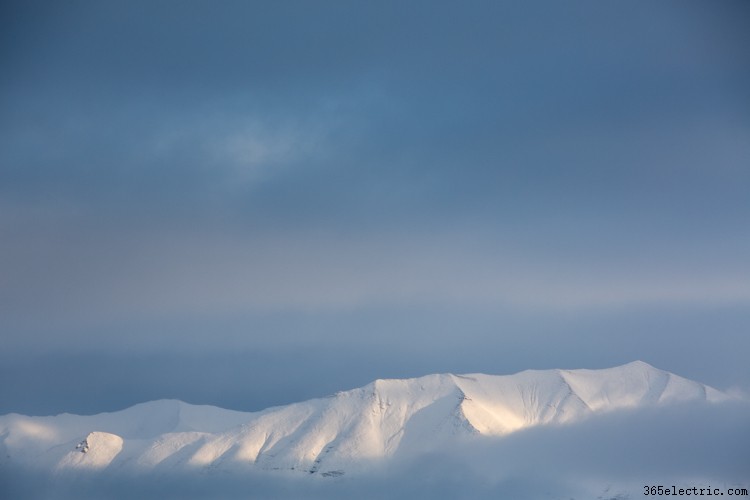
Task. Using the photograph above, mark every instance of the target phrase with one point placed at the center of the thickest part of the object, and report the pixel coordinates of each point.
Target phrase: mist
(602, 456)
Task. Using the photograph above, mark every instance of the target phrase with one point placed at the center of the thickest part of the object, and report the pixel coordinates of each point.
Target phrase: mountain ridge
(342, 432)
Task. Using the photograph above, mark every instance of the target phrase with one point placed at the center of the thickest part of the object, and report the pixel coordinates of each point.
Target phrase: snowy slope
(341, 433)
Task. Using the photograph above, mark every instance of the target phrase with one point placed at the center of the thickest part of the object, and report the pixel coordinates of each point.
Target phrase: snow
(341, 434)
(95, 452)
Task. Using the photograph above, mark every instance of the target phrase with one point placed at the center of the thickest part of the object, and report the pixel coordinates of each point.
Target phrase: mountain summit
(341, 433)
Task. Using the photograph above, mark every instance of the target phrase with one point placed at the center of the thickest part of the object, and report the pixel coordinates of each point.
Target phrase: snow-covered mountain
(340, 434)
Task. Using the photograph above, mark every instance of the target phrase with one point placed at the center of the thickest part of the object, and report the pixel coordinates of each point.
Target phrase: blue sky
(250, 203)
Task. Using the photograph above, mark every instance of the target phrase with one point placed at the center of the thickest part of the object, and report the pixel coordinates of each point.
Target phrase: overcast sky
(251, 203)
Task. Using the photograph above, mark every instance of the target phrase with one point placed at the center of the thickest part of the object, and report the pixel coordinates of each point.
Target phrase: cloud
(686, 445)
(82, 274)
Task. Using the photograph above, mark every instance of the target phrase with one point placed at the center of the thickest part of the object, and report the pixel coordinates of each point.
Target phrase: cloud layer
(605, 456)
(270, 179)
